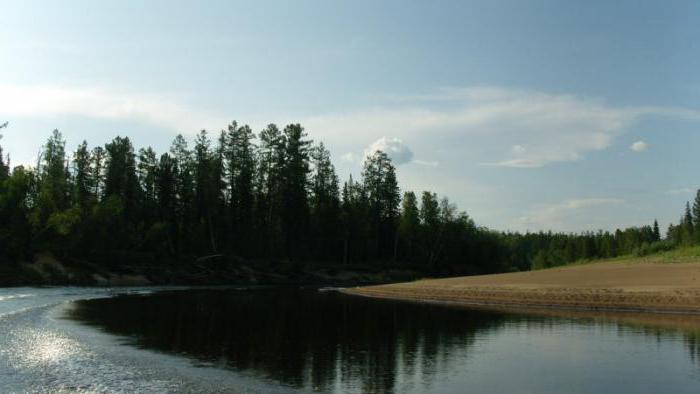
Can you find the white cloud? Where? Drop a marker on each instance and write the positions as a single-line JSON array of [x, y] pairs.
[[394, 147], [557, 127], [561, 215], [515, 163], [158, 110], [639, 146], [684, 190], [554, 127], [426, 163]]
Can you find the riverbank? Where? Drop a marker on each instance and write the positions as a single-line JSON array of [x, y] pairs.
[[48, 270], [641, 285]]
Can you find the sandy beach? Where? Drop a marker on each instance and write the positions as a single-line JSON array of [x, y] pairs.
[[615, 286]]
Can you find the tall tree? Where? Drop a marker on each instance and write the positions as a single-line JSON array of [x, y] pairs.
[[696, 212], [294, 185], [657, 233], [121, 179], [97, 165], [53, 180], [379, 177], [4, 167], [325, 200], [184, 189], [430, 219], [409, 224], [688, 221], [268, 189], [206, 188], [240, 159], [147, 169], [166, 195], [81, 170], [16, 237]]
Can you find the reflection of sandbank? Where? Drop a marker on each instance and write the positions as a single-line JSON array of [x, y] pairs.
[[593, 290]]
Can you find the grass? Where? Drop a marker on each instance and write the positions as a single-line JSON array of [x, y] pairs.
[[683, 254]]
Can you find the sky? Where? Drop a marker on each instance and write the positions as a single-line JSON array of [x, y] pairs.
[[529, 115]]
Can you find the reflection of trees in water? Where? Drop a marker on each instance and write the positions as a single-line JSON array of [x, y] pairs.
[[300, 338], [692, 342]]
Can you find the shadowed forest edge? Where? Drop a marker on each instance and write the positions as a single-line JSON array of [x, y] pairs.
[[265, 208]]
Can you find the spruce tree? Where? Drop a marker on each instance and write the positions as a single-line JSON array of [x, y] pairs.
[[240, 162], [121, 180], [657, 233], [688, 222], [696, 211], [409, 224], [147, 169], [294, 175], [81, 169], [4, 167]]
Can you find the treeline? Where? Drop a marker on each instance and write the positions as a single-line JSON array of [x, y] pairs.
[[687, 231], [547, 249], [274, 196]]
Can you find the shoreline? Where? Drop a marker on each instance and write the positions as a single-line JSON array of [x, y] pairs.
[[522, 307], [626, 287]]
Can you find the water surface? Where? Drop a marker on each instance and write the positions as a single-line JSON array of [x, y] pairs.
[[305, 340]]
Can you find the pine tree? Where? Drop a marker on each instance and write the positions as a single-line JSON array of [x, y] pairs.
[[81, 170], [4, 167], [147, 169], [409, 224], [688, 221], [206, 188], [240, 163], [268, 189], [184, 189], [657, 233], [121, 180], [696, 211], [325, 200], [97, 164], [379, 178], [166, 190], [295, 171], [53, 180]]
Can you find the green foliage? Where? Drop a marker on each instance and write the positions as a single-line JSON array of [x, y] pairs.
[[647, 249], [63, 223], [274, 198]]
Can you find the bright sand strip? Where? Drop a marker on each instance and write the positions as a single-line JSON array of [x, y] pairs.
[[624, 286]]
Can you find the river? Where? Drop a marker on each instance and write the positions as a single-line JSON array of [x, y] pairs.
[[302, 340]]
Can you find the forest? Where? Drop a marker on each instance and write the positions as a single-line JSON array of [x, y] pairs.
[[273, 196]]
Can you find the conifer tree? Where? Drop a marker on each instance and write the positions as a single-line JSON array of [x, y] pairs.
[[240, 159], [409, 224], [294, 179], [696, 211], [147, 169], [81, 169], [97, 164], [657, 233], [4, 167], [688, 222], [184, 191]]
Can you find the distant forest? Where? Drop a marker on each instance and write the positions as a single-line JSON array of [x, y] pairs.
[[273, 197]]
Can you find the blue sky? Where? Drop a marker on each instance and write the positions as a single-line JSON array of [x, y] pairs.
[[524, 113]]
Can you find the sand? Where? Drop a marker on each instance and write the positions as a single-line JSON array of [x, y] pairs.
[[612, 286]]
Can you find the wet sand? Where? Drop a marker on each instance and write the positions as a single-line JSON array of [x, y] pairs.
[[611, 286]]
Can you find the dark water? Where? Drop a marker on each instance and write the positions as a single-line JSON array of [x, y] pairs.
[[330, 342]]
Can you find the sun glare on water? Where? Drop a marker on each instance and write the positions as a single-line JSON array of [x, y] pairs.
[[46, 347]]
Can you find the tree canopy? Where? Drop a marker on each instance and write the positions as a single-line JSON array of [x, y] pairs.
[[273, 196]]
